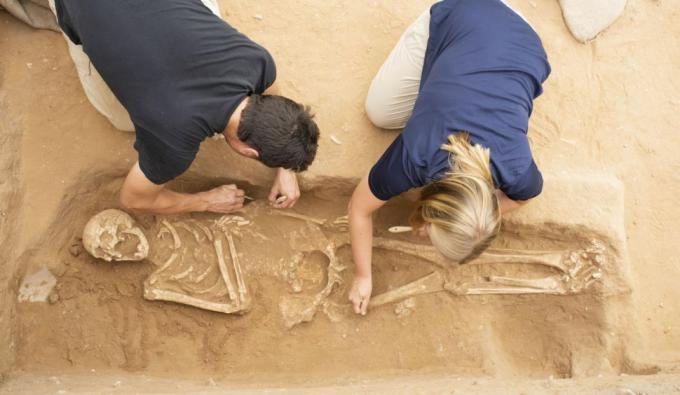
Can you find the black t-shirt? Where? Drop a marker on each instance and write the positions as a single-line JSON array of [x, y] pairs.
[[178, 69]]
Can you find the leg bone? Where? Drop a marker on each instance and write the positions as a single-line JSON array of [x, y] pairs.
[[170, 296], [433, 282], [546, 283]]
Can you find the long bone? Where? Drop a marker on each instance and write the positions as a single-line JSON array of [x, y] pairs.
[[300, 217], [171, 296], [224, 270], [242, 289], [433, 282], [552, 259], [579, 275]]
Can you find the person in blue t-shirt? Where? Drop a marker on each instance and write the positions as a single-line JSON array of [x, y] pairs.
[[461, 83]]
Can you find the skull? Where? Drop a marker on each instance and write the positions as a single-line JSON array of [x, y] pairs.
[[113, 235]]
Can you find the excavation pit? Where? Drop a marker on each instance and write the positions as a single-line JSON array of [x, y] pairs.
[[98, 317]]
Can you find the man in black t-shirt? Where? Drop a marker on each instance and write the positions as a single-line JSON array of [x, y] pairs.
[[183, 75]]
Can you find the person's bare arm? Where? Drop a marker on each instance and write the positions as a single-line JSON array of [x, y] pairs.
[[285, 191], [508, 204], [361, 208], [140, 194]]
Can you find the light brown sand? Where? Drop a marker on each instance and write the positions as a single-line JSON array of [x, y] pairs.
[[610, 107]]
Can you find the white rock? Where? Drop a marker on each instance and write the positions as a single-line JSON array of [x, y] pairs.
[[588, 18], [37, 286]]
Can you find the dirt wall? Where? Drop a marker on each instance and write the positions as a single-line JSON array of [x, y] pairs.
[[9, 220]]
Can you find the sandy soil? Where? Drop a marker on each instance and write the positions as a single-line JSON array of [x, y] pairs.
[[610, 107]]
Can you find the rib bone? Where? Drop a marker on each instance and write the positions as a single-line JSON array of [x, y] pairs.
[[189, 229], [175, 237]]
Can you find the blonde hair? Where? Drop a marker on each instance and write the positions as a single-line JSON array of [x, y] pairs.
[[461, 208]]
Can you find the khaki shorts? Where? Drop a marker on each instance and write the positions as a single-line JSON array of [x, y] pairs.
[[394, 89], [96, 90]]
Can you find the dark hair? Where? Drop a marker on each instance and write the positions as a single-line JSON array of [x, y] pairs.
[[280, 130]]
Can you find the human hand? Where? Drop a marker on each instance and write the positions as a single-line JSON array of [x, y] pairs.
[[285, 192], [360, 293], [224, 199]]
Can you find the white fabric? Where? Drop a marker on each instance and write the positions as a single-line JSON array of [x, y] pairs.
[[394, 89], [96, 90]]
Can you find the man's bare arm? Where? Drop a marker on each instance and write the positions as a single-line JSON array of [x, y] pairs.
[[140, 194]]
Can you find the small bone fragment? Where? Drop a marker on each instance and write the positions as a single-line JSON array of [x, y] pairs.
[[298, 309], [162, 232], [203, 275], [300, 217], [405, 307], [183, 274], [175, 237], [142, 243], [223, 270], [206, 231], [246, 197], [433, 282], [242, 290], [256, 234], [336, 140], [281, 199], [189, 229], [400, 229], [342, 220], [170, 296]]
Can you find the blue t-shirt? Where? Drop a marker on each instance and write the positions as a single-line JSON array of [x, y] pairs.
[[484, 66]]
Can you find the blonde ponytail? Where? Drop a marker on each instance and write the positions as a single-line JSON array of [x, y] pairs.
[[461, 209]]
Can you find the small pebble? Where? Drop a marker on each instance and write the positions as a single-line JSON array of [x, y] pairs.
[[75, 249], [53, 298]]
